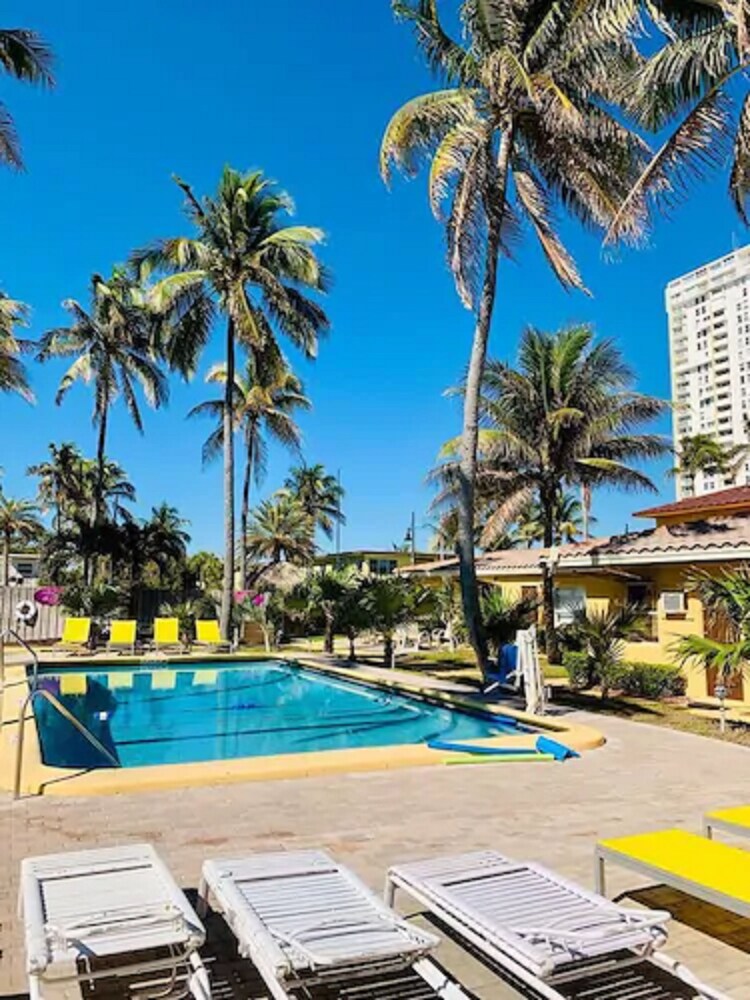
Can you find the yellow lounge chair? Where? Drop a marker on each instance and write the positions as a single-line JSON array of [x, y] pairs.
[[167, 634], [122, 637], [713, 872], [75, 637], [735, 820], [207, 634]]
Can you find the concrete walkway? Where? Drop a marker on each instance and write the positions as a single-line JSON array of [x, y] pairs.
[[645, 778]]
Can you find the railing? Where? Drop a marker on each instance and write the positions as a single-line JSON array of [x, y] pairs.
[[7, 633], [37, 692]]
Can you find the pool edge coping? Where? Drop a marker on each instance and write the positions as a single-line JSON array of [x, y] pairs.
[[42, 779]]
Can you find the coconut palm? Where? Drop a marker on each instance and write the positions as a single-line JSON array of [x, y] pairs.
[[319, 493], [60, 481], [391, 601], [13, 314], [25, 56], [565, 416], [330, 592], [19, 522], [568, 521], [520, 127], [254, 270], [114, 352], [703, 453], [697, 78], [265, 400], [280, 530]]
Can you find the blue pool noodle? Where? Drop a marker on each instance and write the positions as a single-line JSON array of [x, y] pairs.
[[558, 750], [544, 745]]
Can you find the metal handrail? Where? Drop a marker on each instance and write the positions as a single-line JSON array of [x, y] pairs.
[[6, 633], [68, 716]]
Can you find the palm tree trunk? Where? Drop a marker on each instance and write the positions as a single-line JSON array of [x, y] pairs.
[[245, 514], [388, 650], [470, 433], [99, 491], [6, 559], [585, 509], [328, 638], [547, 504], [228, 418]]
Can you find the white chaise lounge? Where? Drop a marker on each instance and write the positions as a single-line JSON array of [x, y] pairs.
[[546, 933], [113, 912], [305, 921]]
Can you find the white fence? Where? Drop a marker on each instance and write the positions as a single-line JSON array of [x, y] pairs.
[[49, 624]]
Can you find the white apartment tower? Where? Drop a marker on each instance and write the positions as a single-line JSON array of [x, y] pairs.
[[709, 356]]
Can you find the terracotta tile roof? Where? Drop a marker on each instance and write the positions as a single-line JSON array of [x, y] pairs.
[[721, 534], [733, 497]]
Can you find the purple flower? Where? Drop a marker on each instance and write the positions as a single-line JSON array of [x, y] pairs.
[[48, 595]]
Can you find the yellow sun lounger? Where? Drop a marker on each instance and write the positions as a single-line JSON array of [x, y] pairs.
[[75, 637], [122, 637], [713, 872], [207, 634], [167, 634], [735, 820]]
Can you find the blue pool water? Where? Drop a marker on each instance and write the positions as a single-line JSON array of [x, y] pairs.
[[175, 715]]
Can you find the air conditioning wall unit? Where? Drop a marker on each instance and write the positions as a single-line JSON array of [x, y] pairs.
[[673, 602]]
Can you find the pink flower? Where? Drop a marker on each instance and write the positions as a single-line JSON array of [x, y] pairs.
[[259, 600], [48, 595], [241, 595]]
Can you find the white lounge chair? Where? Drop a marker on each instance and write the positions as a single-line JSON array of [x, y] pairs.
[[305, 921], [115, 912], [542, 931]]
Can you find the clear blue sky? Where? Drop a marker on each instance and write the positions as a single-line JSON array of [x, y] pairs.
[[302, 90]]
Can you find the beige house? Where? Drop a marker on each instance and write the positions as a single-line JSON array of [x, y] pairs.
[[651, 567]]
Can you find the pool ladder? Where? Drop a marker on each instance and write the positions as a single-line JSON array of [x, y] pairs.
[[37, 692]]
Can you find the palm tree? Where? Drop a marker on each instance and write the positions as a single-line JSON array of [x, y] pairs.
[[60, 480], [330, 592], [165, 539], [602, 635], [699, 78], [12, 372], [703, 453], [114, 351], [25, 56], [523, 124], [280, 530], [565, 417], [391, 601], [255, 271], [264, 403], [319, 493], [19, 521], [568, 521]]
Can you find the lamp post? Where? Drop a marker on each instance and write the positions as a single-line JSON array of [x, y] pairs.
[[411, 538]]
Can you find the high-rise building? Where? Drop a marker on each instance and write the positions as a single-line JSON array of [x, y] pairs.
[[709, 356]]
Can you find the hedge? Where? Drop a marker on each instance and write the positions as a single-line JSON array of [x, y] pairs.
[[640, 680]]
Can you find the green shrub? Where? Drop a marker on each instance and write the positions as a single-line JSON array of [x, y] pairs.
[[652, 680], [577, 665]]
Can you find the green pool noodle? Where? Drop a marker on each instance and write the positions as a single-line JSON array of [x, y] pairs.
[[510, 759]]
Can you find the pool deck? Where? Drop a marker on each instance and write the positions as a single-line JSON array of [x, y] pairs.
[[644, 778]]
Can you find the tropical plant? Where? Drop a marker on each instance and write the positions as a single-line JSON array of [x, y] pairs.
[[523, 124], [100, 601], [19, 522], [328, 591], [391, 601], [503, 616], [568, 521], [13, 314], [703, 453], [206, 570], [187, 612], [256, 272], [279, 530], [113, 345], [320, 495], [601, 634], [156, 549], [25, 56], [265, 400], [697, 78], [565, 416], [725, 598]]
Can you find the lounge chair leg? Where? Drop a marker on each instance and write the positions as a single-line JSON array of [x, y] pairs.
[[599, 876], [201, 907], [389, 893], [708, 830]]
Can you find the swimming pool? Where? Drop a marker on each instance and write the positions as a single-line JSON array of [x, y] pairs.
[[162, 715]]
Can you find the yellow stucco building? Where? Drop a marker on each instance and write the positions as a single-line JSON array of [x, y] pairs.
[[651, 568]]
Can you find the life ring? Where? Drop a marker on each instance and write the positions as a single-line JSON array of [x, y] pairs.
[[27, 613]]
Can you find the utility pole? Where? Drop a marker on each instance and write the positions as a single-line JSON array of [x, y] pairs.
[[338, 520], [413, 539]]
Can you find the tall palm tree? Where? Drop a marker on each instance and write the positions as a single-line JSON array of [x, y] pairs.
[[254, 270], [704, 453], [113, 345], [523, 124], [319, 493], [698, 80], [265, 400], [60, 480], [25, 56], [280, 530], [568, 521], [19, 521], [12, 315], [565, 416]]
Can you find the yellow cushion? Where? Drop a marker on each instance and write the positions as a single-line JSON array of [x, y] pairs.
[[704, 862], [207, 631], [739, 815], [167, 630], [73, 683], [122, 633], [76, 630]]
